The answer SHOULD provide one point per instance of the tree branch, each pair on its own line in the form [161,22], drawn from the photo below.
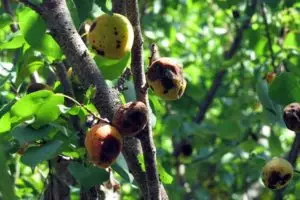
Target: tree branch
[155,190]
[207,101]
[33,6]
[268,35]
[6,5]
[292,158]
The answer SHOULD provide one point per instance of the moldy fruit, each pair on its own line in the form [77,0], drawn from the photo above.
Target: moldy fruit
[103,143]
[165,78]
[131,118]
[277,173]
[291,116]
[111,36]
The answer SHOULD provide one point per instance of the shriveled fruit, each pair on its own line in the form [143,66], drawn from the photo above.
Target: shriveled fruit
[111,36]
[37,86]
[291,116]
[165,78]
[277,173]
[131,118]
[103,144]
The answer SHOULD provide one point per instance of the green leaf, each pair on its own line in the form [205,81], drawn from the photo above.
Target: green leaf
[275,145]
[43,105]
[289,84]
[164,176]
[28,69]
[29,104]
[293,64]
[35,155]
[17,42]
[83,8]
[6,183]
[292,41]
[5,20]
[49,110]
[25,133]
[230,129]
[112,69]
[32,26]
[272,3]
[49,47]
[5,123]
[5,108]
[74,14]
[88,176]
[120,166]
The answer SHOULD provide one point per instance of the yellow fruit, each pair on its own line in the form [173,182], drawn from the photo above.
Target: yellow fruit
[277,173]
[165,78]
[111,36]
[103,144]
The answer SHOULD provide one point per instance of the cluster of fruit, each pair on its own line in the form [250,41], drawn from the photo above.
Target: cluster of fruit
[112,36]
[278,172]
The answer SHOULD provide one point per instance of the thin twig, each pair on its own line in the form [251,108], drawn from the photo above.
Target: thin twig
[292,157]
[155,191]
[6,5]
[268,35]
[204,105]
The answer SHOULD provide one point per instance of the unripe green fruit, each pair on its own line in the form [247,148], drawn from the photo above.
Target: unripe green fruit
[277,173]
[111,36]
[165,78]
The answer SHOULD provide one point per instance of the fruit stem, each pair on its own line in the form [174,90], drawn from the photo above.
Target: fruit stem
[84,107]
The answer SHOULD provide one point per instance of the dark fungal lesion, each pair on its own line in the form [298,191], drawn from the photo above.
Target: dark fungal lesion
[118,44]
[100,52]
[111,148]
[277,178]
[167,84]
[93,26]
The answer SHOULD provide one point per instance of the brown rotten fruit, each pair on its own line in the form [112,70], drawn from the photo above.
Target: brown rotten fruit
[291,116]
[131,118]
[165,78]
[277,173]
[103,143]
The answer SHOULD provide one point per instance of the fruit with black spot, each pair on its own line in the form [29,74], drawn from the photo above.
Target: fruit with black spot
[111,36]
[34,87]
[131,118]
[277,173]
[165,78]
[103,143]
[291,116]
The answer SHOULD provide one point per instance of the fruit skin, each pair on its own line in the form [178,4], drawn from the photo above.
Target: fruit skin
[131,118]
[291,116]
[103,144]
[277,173]
[111,36]
[165,78]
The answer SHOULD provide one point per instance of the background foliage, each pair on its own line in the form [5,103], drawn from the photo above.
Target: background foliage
[243,127]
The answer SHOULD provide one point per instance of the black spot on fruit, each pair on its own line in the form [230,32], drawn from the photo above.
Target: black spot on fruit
[111,147]
[93,26]
[118,46]
[116,33]
[167,84]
